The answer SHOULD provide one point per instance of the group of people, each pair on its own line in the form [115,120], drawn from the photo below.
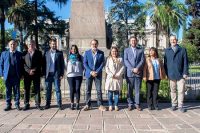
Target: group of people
[134,65]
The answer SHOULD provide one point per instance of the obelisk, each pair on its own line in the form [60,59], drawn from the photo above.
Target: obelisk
[87,22]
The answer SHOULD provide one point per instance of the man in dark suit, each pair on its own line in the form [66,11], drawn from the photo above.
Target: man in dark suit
[32,67]
[93,63]
[53,69]
[134,60]
[176,67]
[11,71]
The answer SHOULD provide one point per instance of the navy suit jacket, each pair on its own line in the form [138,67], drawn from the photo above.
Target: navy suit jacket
[131,62]
[176,63]
[5,64]
[89,65]
[59,64]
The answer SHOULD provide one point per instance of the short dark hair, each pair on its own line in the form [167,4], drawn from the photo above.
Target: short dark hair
[133,37]
[95,41]
[53,40]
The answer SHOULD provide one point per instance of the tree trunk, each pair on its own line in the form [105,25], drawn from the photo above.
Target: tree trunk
[127,44]
[36,25]
[21,40]
[157,36]
[2,21]
[168,37]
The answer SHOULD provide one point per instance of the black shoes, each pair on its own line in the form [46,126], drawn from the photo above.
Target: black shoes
[47,106]
[77,106]
[39,107]
[72,106]
[7,108]
[26,107]
[18,107]
[173,108]
[60,107]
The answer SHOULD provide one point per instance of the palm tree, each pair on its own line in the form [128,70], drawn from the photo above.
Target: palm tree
[20,16]
[4,5]
[166,15]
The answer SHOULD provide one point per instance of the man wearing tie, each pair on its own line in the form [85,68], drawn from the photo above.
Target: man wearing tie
[32,67]
[53,69]
[11,70]
[93,62]
[134,60]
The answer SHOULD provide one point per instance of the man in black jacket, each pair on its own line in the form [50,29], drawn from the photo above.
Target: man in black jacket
[32,67]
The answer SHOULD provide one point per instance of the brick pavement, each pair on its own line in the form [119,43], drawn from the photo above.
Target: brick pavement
[95,121]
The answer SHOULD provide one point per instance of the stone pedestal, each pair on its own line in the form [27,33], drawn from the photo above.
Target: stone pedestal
[86,23]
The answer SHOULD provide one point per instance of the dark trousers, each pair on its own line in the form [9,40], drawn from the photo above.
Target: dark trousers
[75,85]
[133,83]
[36,89]
[152,92]
[51,79]
[12,84]
[97,81]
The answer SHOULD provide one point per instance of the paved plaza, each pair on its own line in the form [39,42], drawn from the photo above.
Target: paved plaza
[95,121]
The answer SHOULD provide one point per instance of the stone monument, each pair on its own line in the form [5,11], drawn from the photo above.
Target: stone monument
[87,22]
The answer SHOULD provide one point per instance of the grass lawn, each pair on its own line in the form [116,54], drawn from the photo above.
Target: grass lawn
[194,69]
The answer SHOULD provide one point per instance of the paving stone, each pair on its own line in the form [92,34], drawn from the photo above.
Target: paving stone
[155,126]
[183,131]
[35,120]
[197,125]
[110,126]
[87,131]
[95,127]
[184,126]
[89,120]
[140,121]
[117,121]
[28,126]
[119,131]
[81,126]
[24,131]
[61,121]
[170,121]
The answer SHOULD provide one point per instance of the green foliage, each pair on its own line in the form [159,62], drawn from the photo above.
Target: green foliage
[163,93]
[3,88]
[192,34]
[121,12]
[8,36]
[193,53]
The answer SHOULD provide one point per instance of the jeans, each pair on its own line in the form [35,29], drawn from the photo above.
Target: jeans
[110,98]
[134,83]
[89,82]
[12,84]
[152,92]
[75,85]
[49,81]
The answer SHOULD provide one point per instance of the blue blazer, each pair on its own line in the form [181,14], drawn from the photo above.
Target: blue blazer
[131,62]
[5,64]
[89,65]
[176,63]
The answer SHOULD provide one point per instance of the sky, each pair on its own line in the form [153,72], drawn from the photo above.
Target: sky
[64,11]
